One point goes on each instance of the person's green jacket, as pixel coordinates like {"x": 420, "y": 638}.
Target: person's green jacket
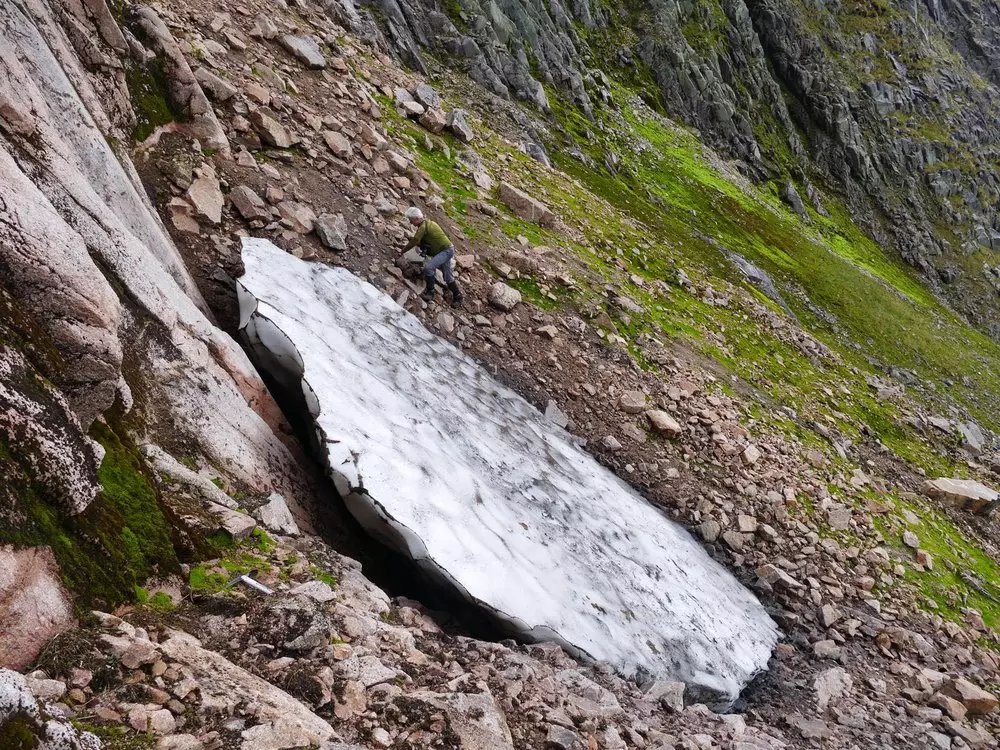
{"x": 430, "y": 237}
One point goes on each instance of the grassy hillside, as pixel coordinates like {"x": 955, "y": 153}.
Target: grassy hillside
{"x": 848, "y": 316}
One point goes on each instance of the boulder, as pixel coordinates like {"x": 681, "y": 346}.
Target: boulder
{"x": 973, "y": 439}
{"x": 475, "y": 720}
{"x": 373, "y": 138}
{"x": 218, "y": 89}
{"x": 966, "y": 494}
{"x": 810, "y": 728}
{"x": 750, "y": 455}
{"x": 977, "y": 701}
{"x": 791, "y": 196}
{"x": 556, "y": 415}
{"x": 668, "y": 693}
{"x": 318, "y": 591}
{"x": 397, "y": 161}
{"x": 264, "y": 27}
{"x": 663, "y": 423}
{"x": 839, "y": 517}
{"x": 19, "y": 706}
{"x": 831, "y": 685}
{"x": 248, "y": 204}
{"x": 481, "y": 178}
{"x": 433, "y": 120}
{"x": 182, "y": 216}
{"x": 305, "y": 49}
{"x": 206, "y": 195}
{"x": 524, "y": 206}
{"x": 951, "y": 706}
{"x": 275, "y": 516}
{"x": 338, "y": 144}
{"x": 709, "y": 530}
{"x": 457, "y": 123}
{"x": 224, "y": 683}
{"x": 412, "y": 109}
{"x": 297, "y": 216}
{"x": 237, "y": 525}
{"x": 270, "y": 130}
{"x": 504, "y": 297}
{"x": 185, "y": 91}
{"x": 586, "y": 699}
{"x": 332, "y": 231}
{"x": 34, "y": 606}
{"x": 426, "y": 95}
{"x": 776, "y": 577}
{"x": 633, "y": 402}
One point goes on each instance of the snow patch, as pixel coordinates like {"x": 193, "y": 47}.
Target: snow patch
{"x": 437, "y": 458}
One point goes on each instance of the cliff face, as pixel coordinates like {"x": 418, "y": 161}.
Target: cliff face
{"x": 106, "y": 342}
{"x": 888, "y": 107}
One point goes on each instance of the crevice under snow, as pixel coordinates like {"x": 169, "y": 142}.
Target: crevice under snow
{"x": 442, "y": 462}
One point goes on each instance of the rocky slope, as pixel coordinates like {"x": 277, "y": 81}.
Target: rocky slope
{"x": 682, "y": 330}
{"x": 886, "y": 107}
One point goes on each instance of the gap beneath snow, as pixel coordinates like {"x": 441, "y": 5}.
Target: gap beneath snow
{"x": 439, "y": 461}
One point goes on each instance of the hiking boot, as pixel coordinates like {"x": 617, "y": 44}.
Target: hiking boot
{"x": 456, "y": 294}
{"x": 428, "y": 294}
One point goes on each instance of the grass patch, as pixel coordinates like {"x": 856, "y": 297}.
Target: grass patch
{"x": 236, "y": 558}
{"x": 116, "y": 737}
{"x": 963, "y": 575}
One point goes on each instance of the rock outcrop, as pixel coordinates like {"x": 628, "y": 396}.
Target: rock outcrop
{"x": 34, "y": 605}
{"x": 102, "y": 315}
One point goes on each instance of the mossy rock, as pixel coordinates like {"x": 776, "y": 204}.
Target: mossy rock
{"x": 120, "y": 539}
{"x": 147, "y": 87}
{"x": 17, "y": 733}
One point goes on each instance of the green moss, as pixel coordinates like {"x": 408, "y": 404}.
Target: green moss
{"x": 704, "y": 30}
{"x": 261, "y": 541}
{"x": 548, "y": 299}
{"x": 126, "y": 486}
{"x": 221, "y": 541}
{"x": 321, "y": 575}
{"x": 150, "y": 95}
{"x": 161, "y": 602}
{"x": 115, "y": 544}
{"x": 697, "y": 214}
{"x": 238, "y": 558}
{"x": 443, "y": 168}
{"x": 16, "y": 734}
{"x": 454, "y": 11}
{"x": 200, "y": 579}
{"x": 116, "y": 737}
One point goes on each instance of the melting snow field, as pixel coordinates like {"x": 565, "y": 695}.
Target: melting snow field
{"x": 436, "y": 457}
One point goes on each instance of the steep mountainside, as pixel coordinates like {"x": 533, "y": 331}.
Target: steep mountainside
{"x": 670, "y": 233}
{"x": 887, "y": 107}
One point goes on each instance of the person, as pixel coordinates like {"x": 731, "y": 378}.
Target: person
{"x": 437, "y": 248}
